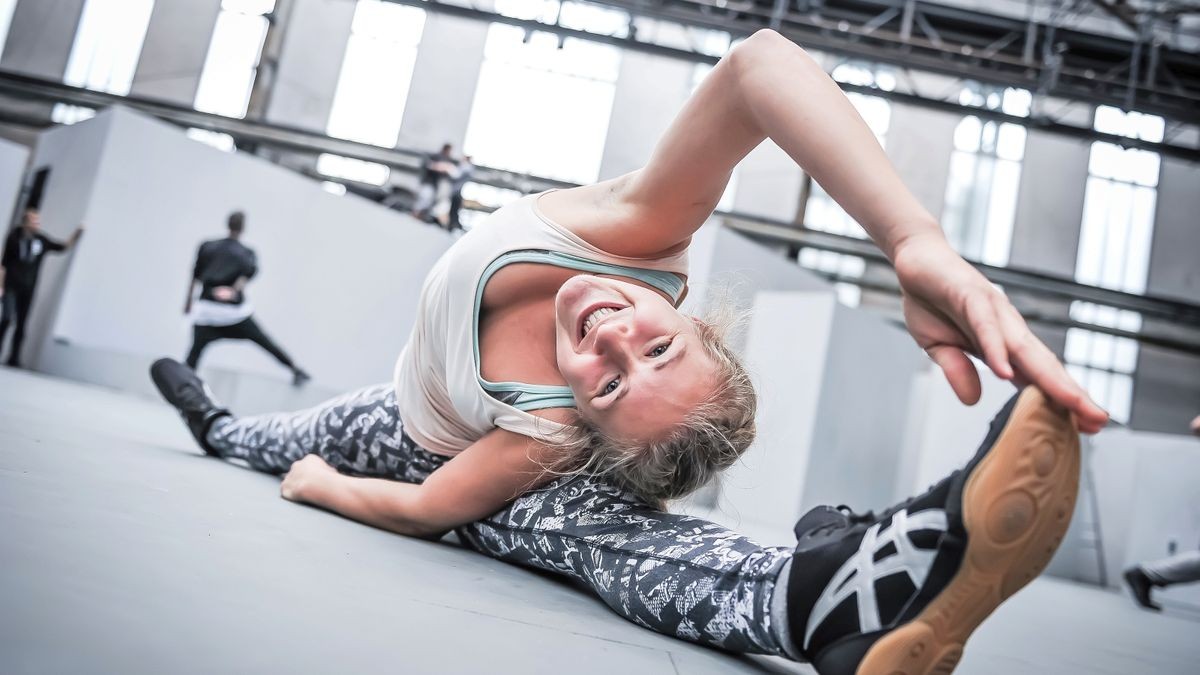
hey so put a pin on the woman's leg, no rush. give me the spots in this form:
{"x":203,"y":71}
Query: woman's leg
{"x":358,"y":433}
{"x":674,"y":574}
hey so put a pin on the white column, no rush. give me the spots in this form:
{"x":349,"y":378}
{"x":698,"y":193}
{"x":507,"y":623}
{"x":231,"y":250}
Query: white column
{"x":310,"y":64}
{"x":1167,"y":383}
{"x":1173,"y":265}
{"x":920,"y":142}
{"x":173,"y":54}
{"x":13,"y":159}
{"x":768,"y":183}
{"x":40,"y":37}
{"x":39,"y":44}
{"x":443,"y":82}
{"x":1050,"y":203}
{"x":650,"y":91}
{"x":1048,"y":216}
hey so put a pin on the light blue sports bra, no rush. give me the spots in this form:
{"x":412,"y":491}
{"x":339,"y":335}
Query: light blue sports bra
{"x":529,"y":397}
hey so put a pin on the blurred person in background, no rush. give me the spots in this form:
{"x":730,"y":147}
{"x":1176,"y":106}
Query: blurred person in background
{"x":1179,"y":568}
{"x":435,"y":171}
{"x":461,"y":176}
{"x":24,"y":249}
{"x":221,"y":312}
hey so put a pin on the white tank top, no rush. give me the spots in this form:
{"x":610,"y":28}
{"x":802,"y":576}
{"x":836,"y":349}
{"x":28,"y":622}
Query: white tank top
{"x":440,"y":394}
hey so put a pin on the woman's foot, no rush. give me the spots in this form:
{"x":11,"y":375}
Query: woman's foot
{"x":180,"y":386}
{"x":902,"y":591}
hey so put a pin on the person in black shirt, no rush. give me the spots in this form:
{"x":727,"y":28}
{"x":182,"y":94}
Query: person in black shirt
{"x":24,"y":249}
{"x":223,"y":267}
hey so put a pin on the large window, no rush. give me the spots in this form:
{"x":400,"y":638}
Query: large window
{"x":105,"y":53}
{"x":231,"y":65}
{"x":543,"y":102}
{"x":373,"y":86}
{"x":821,"y":212}
{"x":985,"y":170}
{"x":233,"y":55}
{"x":1114,"y":252}
{"x":7,"y":7}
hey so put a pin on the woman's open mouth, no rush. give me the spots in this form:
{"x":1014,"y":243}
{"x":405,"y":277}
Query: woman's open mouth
{"x":593,"y":315}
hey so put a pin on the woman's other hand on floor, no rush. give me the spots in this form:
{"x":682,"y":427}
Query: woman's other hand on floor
{"x":305,"y":479}
{"x":952,"y":310}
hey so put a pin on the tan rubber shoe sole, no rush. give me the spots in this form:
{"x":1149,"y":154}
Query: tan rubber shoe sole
{"x":1017,"y":505}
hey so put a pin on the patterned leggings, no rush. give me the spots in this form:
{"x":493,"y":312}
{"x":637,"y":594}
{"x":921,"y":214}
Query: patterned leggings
{"x":674,"y":574}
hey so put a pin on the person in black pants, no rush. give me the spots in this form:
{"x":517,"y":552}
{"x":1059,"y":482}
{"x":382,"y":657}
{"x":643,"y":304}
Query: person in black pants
{"x":24,"y":249}
{"x":223,"y":267}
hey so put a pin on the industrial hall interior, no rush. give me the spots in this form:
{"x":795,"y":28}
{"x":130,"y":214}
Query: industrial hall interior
{"x":828,"y":337}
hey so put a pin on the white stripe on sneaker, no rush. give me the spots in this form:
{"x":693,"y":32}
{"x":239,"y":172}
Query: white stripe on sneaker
{"x":857,"y":576}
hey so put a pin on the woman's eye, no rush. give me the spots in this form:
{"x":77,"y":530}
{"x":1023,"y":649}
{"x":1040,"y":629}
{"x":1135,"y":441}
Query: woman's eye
{"x":611,"y":387}
{"x":659,"y":350}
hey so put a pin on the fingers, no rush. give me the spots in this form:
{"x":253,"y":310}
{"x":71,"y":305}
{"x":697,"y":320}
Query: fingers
{"x":285,"y":489}
{"x":959,"y":372}
{"x":1037,"y":365}
{"x":983,"y":322}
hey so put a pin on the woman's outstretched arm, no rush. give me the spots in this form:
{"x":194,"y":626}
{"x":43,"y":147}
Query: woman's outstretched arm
{"x":473,"y":485}
{"x":767,"y":87}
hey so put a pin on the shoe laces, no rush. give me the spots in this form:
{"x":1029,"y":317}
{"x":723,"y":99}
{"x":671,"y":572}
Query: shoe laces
{"x":853,"y":516}
{"x":856,"y":518}
{"x":852,"y":519}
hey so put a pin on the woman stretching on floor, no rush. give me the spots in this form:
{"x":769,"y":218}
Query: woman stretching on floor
{"x":635,"y":404}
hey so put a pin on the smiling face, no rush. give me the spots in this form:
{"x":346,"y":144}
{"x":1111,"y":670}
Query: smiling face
{"x":635,"y":364}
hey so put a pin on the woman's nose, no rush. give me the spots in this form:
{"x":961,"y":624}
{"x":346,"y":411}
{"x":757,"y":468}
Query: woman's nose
{"x":611,"y":334}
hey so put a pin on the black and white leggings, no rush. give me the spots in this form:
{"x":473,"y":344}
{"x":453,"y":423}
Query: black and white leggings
{"x":674,"y":574}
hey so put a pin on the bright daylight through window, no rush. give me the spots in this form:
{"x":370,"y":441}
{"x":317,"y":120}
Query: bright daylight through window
{"x":231,"y":64}
{"x":373,"y":86}
{"x":985,"y":170}
{"x":105,"y":53}
{"x":822,"y":213}
{"x":1114,"y":252}
{"x":542,"y":103}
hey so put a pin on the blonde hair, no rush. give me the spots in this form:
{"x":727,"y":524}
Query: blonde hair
{"x":709,"y":439}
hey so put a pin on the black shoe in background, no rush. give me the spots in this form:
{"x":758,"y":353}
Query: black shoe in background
{"x":1141,"y":584}
{"x":180,"y":386}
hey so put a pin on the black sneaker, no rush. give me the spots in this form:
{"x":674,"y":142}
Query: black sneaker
{"x":901,"y":591}
{"x":180,"y":386}
{"x":1141,"y":584}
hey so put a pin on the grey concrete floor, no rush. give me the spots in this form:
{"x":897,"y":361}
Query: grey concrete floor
{"x":122,"y":550}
